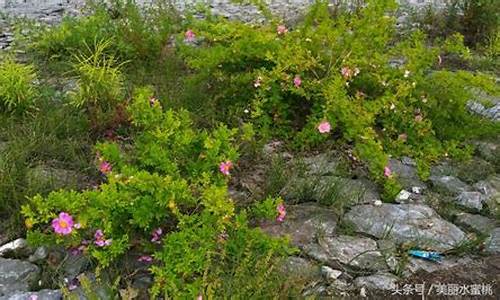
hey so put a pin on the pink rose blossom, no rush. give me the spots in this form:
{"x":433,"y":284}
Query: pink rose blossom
{"x":281,"y":212}
{"x":105,"y":167}
{"x":297,"y":81}
{"x":63,"y":224}
{"x":387,"y":172}
{"x":281,"y":29}
{"x":153,"y":101}
{"x":189,"y":36}
{"x":156,"y":235}
{"x":225,"y":167}
{"x":145,"y":258}
{"x":100,"y":240}
{"x":346,"y":72}
{"x":324,"y":127}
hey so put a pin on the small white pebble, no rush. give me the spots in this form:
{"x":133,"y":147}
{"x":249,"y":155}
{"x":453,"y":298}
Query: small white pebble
{"x":377,"y":203}
{"x":362,"y":292}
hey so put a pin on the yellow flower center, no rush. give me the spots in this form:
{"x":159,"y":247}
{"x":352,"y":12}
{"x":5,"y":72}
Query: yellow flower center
{"x":63,"y":224}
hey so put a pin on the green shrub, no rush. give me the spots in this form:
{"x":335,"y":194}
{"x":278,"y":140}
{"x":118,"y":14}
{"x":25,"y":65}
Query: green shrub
{"x":172,"y":178}
{"x":17,"y":90}
{"x":338,"y":69}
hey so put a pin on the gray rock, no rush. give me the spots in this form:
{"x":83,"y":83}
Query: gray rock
{"x":322,"y":164}
{"x":471,"y":200}
{"x":329,"y":273}
{"x":449,"y":185}
{"x":383,"y":281}
{"x":15,"y":248}
{"x":356,"y":252}
{"x":304,"y":223}
{"x":490,"y":188}
{"x":16,"y":275}
{"x":489,"y":151}
{"x":74,"y":265}
{"x":477,"y":223}
{"x":485,"y":105}
{"x":492,"y":244}
{"x":406,"y":173}
{"x":40,"y":254}
{"x":40,"y":295}
{"x":54,"y":178}
{"x":415,"y":265}
{"x":406,"y":223}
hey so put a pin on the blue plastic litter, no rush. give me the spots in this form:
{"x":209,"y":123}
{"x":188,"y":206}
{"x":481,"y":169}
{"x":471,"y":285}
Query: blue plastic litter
{"x":427,"y":255}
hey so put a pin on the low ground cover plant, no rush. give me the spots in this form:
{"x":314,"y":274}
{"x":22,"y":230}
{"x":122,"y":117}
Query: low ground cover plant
{"x":166,"y":197}
{"x":338,"y":77}
{"x":162,"y":190}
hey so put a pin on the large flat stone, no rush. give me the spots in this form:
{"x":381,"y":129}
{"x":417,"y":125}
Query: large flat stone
{"x":406,"y":172}
{"x":383,"y":281}
{"x":449,"y":185}
{"x":493,"y":242}
{"x":477,"y":223}
{"x":358,"y":252}
{"x":415,"y":223}
{"x":40,"y":295}
{"x":16,"y":275}
{"x":415,"y":265}
{"x":304,"y":223}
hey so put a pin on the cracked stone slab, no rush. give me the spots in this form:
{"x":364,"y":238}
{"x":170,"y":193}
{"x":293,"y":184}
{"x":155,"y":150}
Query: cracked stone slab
{"x":477,"y":223}
{"x":358,"y":252}
{"x":382,"y":281}
{"x":492,"y":244}
{"x":404,"y":223}
{"x":303,"y":224}
{"x":16,"y":275}
{"x":40,"y":295}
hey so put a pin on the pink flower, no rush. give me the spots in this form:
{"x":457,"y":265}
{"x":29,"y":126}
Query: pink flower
{"x":33,"y":297}
{"x":189,"y":36}
{"x":257,"y":82}
{"x":324,"y":127}
{"x":225,"y":167}
{"x":346,"y":72}
{"x":153,"y":101}
{"x":200,"y":297}
{"x":63,"y":224}
{"x":387,"y":172}
{"x":156,"y":235}
{"x":105,"y":167}
{"x":281,"y":29}
{"x":100,"y":240}
{"x":145,"y":258}
{"x":281,"y":212}
{"x":297,"y":81}
{"x":418,"y":118}
{"x":403,"y":137}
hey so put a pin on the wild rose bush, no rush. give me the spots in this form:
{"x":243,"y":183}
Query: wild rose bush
{"x":342,"y":76}
{"x":165,"y":198}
